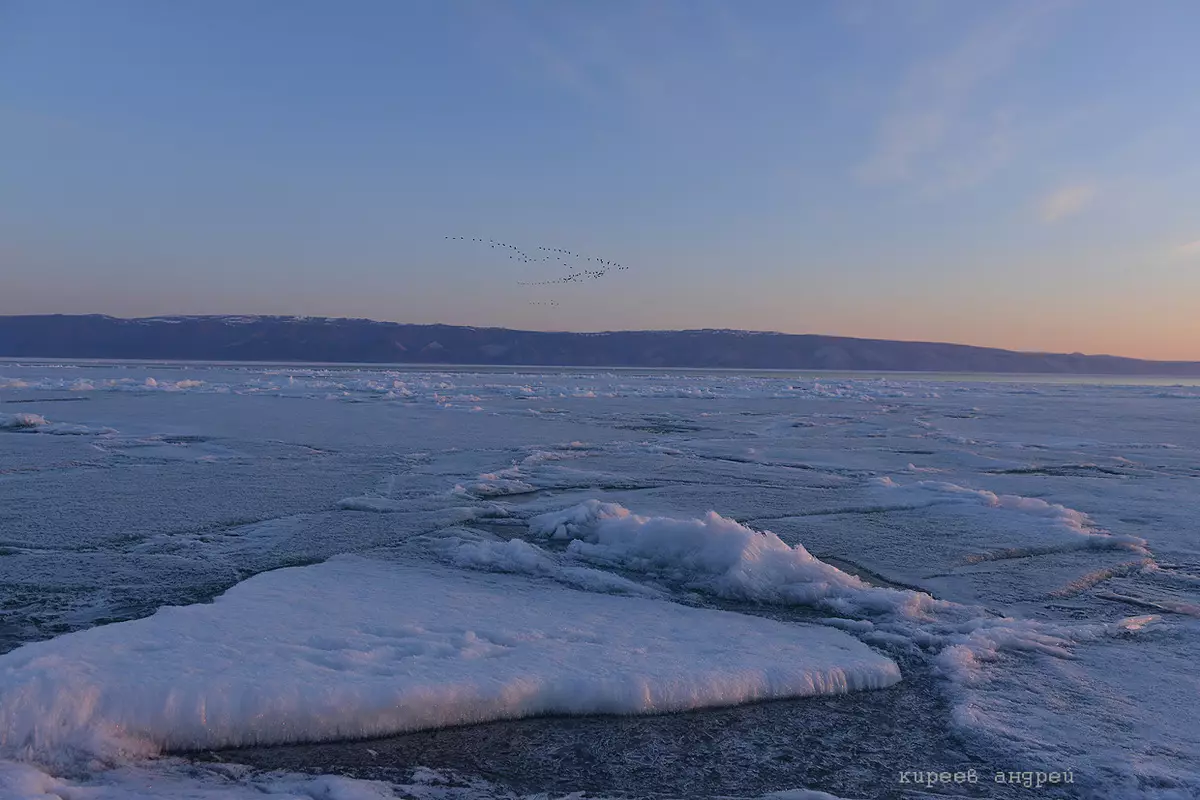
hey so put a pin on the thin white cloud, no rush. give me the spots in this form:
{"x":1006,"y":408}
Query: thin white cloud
{"x":936,"y":111}
{"x":1065,"y":201}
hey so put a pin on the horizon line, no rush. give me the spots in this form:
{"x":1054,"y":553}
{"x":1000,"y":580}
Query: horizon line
{"x":608,"y":332}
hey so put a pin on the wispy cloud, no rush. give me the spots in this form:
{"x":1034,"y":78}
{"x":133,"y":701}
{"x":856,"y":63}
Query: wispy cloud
{"x":1065,"y":201}
{"x":936,"y":112}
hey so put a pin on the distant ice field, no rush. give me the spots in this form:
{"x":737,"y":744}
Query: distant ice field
{"x":305,"y":580}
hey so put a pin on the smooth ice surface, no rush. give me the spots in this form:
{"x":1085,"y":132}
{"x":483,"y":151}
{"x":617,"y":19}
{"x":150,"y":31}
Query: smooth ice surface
{"x":355,"y":648}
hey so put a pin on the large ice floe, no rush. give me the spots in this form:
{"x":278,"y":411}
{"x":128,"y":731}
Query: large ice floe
{"x":355,"y":648}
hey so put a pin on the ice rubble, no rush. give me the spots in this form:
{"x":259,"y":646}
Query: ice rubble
{"x":16,"y":422}
{"x":356,"y":648}
{"x":720,"y":556}
{"x":520,"y":557}
{"x":36,"y":423}
{"x":491,"y":484}
{"x":458,"y":389}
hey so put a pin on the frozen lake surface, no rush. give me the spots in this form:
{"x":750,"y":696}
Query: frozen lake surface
{"x":303,"y":581}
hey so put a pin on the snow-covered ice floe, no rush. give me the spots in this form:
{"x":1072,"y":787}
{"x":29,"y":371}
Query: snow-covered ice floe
{"x":357,"y":648}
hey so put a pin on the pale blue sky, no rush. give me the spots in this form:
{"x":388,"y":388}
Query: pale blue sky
{"x":1017,"y":174}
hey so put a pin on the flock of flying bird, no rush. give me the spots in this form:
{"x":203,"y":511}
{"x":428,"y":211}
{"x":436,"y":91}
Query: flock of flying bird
{"x":566,"y":258}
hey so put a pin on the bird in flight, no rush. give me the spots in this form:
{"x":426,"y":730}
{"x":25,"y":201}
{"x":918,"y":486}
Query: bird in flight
{"x":564,"y":257}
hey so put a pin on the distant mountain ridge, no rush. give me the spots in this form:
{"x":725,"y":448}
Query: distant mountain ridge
{"x":277,"y":338}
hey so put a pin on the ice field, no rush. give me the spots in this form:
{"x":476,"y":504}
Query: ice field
{"x":361,"y":582}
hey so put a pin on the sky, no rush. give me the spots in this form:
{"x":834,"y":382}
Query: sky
{"x":1010,"y":174}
